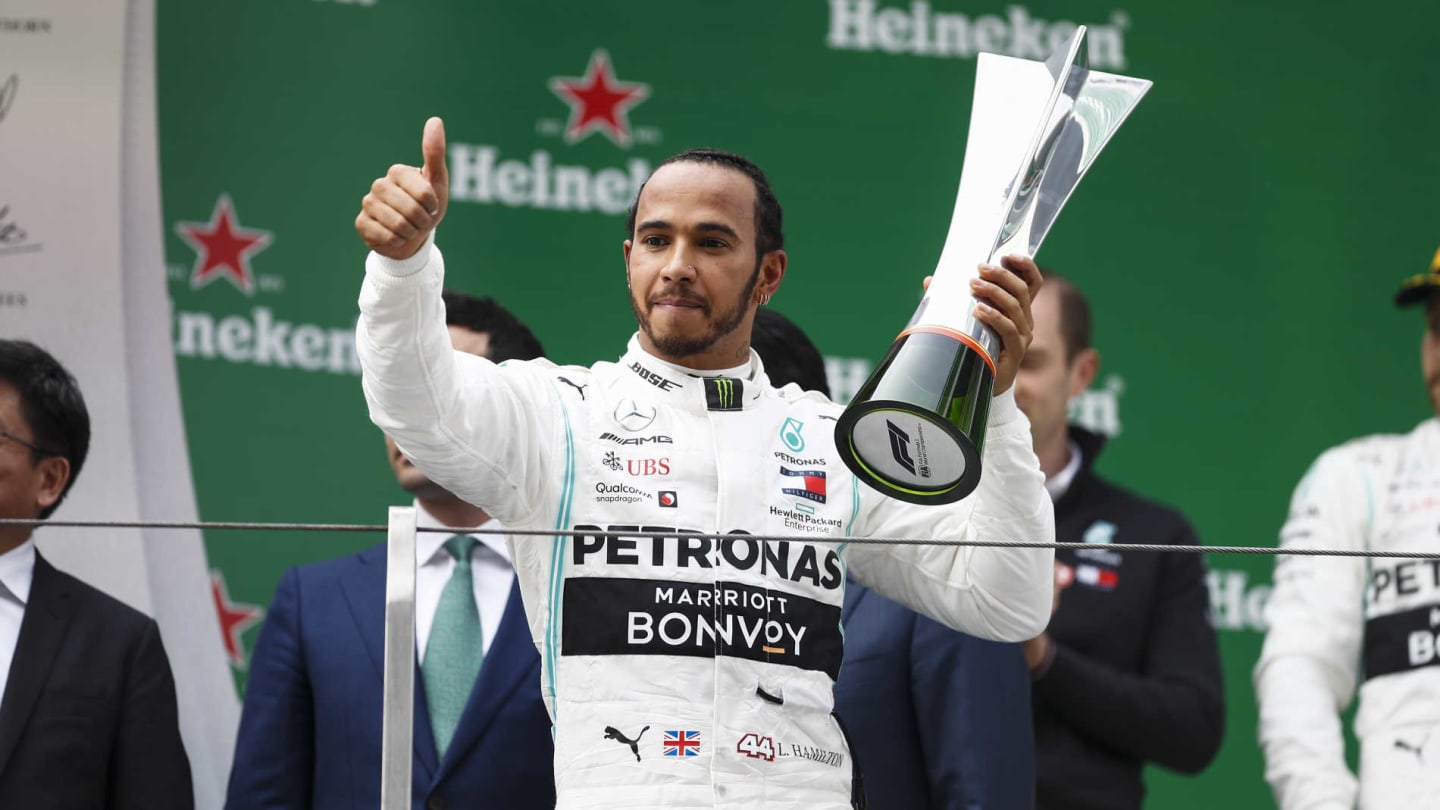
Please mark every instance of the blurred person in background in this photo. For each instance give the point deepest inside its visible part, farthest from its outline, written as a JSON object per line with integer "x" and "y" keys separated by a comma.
{"x": 1338, "y": 623}
{"x": 1128, "y": 673}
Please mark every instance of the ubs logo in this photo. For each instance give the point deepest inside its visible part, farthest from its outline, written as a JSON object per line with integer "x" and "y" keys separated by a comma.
{"x": 633, "y": 416}
{"x": 644, "y": 467}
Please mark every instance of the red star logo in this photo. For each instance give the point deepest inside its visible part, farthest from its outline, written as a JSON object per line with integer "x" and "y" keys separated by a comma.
{"x": 222, "y": 247}
{"x": 598, "y": 101}
{"x": 234, "y": 619}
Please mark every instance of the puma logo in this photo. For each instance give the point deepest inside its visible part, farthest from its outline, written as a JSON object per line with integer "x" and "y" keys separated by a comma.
{"x": 1417, "y": 750}
{"x": 612, "y": 733}
{"x": 580, "y": 388}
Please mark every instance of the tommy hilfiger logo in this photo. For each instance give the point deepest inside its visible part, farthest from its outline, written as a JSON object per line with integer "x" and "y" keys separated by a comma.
{"x": 814, "y": 484}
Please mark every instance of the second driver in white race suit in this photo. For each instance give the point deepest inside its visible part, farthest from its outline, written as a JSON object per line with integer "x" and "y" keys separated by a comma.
{"x": 681, "y": 671}
{"x": 1341, "y": 622}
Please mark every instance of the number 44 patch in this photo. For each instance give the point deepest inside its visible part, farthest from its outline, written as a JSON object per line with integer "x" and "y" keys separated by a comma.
{"x": 756, "y": 747}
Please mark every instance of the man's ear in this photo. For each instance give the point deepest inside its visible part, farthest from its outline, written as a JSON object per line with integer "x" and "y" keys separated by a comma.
{"x": 772, "y": 271}
{"x": 1083, "y": 370}
{"x": 54, "y": 474}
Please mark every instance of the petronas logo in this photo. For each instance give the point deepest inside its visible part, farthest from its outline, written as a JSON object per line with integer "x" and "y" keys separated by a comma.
{"x": 790, "y": 435}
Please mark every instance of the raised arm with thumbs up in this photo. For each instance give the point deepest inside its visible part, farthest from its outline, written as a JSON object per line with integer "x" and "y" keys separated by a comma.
{"x": 405, "y": 205}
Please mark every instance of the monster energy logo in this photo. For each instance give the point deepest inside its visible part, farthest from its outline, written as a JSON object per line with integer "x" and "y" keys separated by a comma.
{"x": 723, "y": 393}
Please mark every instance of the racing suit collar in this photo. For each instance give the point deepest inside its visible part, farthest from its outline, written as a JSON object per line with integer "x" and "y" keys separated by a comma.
{"x": 693, "y": 388}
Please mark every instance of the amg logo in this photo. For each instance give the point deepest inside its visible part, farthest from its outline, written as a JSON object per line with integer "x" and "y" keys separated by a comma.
{"x": 637, "y": 439}
{"x": 653, "y": 377}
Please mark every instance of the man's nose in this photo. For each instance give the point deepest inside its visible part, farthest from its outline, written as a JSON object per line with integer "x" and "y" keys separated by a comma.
{"x": 681, "y": 266}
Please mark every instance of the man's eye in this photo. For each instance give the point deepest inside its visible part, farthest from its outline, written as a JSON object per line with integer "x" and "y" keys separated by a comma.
{"x": 654, "y": 241}
{"x": 714, "y": 243}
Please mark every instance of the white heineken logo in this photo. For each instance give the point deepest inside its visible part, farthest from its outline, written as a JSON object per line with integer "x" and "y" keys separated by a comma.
{"x": 868, "y": 25}
{"x": 478, "y": 174}
{"x": 1098, "y": 409}
{"x": 261, "y": 339}
{"x": 845, "y": 375}
{"x": 1235, "y": 602}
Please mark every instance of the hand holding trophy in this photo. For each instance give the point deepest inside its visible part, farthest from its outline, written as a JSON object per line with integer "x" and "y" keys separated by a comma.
{"x": 916, "y": 429}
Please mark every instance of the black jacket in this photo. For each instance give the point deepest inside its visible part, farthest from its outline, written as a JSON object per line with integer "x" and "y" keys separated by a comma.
{"x": 88, "y": 720}
{"x": 1136, "y": 674}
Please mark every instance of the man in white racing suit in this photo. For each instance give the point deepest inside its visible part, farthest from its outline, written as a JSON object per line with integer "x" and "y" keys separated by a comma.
{"x": 1338, "y": 621}
{"x": 682, "y": 671}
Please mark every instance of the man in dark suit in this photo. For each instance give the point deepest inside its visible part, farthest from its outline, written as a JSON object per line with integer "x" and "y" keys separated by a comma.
{"x": 1129, "y": 671}
{"x": 936, "y": 718}
{"x": 310, "y": 728}
{"x": 88, "y": 715}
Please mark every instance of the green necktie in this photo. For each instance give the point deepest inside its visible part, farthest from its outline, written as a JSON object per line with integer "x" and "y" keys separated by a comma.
{"x": 453, "y": 652}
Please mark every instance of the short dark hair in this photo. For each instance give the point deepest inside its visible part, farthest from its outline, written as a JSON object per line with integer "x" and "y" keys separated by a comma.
{"x": 1075, "y": 322}
{"x": 50, "y": 401}
{"x": 787, "y": 353}
{"x": 509, "y": 338}
{"x": 769, "y": 231}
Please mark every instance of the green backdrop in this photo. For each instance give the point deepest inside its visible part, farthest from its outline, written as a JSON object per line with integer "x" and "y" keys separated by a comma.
{"x": 1240, "y": 238}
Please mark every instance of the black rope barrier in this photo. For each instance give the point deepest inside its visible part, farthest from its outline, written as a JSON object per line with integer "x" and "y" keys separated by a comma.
{"x": 640, "y": 531}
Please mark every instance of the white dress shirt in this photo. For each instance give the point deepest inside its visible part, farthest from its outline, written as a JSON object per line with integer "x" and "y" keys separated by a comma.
{"x": 489, "y": 563}
{"x": 1059, "y": 483}
{"x": 17, "y": 571}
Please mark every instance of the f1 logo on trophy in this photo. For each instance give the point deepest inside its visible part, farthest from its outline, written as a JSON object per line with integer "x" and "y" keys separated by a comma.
{"x": 916, "y": 429}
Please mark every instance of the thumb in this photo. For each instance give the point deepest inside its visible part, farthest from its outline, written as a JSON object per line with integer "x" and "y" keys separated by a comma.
{"x": 432, "y": 147}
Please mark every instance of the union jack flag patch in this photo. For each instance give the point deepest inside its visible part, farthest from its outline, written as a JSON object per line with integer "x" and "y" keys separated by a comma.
{"x": 681, "y": 744}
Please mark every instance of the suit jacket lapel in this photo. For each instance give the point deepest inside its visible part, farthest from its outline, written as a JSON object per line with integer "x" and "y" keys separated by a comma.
{"x": 365, "y": 592}
{"x": 47, "y": 615}
{"x": 364, "y": 587}
{"x": 507, "y": 664}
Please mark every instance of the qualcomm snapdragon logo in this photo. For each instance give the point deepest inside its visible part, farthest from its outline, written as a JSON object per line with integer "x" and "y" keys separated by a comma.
{"x": 919, "y": 30}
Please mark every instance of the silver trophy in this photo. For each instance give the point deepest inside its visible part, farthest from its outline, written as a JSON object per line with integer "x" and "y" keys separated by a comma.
{"x": 916, "y": 429}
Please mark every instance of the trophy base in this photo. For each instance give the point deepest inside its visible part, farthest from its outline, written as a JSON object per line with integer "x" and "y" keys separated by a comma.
{"x": 916, "y": 430}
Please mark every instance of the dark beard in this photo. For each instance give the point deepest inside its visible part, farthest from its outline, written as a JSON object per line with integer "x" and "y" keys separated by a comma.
{"x": 676, "y": 347}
